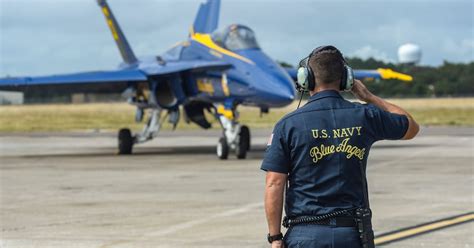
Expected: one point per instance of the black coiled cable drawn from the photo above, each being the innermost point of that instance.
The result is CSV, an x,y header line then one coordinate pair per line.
x,y
287,222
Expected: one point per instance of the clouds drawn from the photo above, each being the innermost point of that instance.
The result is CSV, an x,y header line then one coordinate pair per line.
x,y
463,49
58,36
366,52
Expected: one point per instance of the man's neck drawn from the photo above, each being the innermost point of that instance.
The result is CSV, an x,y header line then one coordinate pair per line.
x,y
323,88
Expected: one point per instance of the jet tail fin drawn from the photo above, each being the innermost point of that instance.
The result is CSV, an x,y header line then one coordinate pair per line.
x,y
207,17
122,43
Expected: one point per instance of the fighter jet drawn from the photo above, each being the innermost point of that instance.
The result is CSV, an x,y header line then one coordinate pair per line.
x,y
211,71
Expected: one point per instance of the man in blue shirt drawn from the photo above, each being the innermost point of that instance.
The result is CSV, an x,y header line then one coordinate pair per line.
x,y
319,152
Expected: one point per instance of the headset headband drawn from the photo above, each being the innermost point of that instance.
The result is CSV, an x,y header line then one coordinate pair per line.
x,y
305,61
306,78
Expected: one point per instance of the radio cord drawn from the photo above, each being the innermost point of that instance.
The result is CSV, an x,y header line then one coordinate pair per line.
x,y
301,98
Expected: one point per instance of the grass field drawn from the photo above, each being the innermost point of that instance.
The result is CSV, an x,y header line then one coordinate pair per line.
x,y
112,116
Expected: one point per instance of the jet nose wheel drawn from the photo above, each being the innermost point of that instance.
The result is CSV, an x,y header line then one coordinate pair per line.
x,y
245,136
125,141
222,149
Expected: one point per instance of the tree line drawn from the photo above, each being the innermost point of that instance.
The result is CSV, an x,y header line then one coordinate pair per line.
x,y
446,80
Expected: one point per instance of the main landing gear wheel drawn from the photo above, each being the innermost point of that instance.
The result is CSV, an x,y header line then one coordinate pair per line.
x,y
125,141
244,143
222,148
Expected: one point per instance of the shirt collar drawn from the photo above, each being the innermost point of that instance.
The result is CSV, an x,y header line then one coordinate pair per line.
x,y
324,94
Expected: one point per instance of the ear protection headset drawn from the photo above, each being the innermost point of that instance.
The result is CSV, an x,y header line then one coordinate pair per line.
x,y
305,77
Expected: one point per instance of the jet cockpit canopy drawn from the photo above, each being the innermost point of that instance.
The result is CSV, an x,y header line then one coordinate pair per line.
x,y
235,37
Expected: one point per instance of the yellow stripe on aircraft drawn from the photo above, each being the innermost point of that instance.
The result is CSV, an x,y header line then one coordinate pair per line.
x,y
225,86
205,85
106,11
406,233
110,23
206,40
112,28
390,74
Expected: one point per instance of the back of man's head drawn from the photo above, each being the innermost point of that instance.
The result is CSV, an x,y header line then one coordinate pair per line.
x,y
327,67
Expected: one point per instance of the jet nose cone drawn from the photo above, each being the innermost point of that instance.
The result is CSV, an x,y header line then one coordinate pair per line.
x,y
276,93
281,94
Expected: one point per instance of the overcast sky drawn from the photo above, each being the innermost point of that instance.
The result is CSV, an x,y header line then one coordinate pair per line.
x,y
40,37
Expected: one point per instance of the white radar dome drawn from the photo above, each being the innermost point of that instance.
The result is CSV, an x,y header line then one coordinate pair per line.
x,y
409,53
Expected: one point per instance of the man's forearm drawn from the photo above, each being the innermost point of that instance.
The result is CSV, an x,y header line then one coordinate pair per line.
x,y
273,209
389,107
274,202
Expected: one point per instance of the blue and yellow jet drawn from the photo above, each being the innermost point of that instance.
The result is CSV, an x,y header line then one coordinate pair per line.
x,y
213,71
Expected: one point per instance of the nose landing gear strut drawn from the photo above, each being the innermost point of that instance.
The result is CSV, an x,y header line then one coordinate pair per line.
x,y
235,136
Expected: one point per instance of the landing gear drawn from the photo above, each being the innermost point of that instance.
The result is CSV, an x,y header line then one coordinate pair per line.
x,y
235,136
222,149
125,141
152,127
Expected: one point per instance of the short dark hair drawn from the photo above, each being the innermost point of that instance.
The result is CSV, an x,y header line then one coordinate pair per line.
x,y
327,66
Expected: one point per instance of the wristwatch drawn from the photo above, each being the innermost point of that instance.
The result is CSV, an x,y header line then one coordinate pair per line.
x,y
274,237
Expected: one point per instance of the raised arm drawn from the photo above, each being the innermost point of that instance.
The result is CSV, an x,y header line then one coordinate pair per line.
x,y
362,93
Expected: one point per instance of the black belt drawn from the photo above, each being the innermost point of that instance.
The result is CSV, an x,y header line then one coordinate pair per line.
x,y
341,221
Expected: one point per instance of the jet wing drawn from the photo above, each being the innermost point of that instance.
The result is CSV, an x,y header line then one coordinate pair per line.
x,y
76,78
86,82
106,81
380,73
169,67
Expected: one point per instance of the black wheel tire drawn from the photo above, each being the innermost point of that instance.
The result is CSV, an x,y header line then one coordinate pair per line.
x,y
241,151
125,141
244,143
222,149
245,136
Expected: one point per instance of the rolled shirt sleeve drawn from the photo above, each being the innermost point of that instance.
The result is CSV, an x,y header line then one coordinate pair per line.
x,y
387,125
277,153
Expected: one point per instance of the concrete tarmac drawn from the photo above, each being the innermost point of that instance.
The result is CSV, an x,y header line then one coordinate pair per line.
x,y
71,190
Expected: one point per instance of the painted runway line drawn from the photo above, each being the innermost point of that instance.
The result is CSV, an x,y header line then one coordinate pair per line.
x,y
424,228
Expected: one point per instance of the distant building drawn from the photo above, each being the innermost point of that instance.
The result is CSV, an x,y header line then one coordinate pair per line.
x,y
11,98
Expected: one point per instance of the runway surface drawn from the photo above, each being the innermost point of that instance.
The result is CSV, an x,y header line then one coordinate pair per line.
x,y
71,190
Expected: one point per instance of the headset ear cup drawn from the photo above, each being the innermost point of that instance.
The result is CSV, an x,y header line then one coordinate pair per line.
x,y
311,80
344,78
302,79
349,78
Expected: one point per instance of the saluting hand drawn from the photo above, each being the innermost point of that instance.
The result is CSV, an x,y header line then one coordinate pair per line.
x,y
278,244
360,91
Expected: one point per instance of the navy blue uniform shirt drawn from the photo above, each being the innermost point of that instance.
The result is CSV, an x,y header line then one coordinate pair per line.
x,y
321,147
